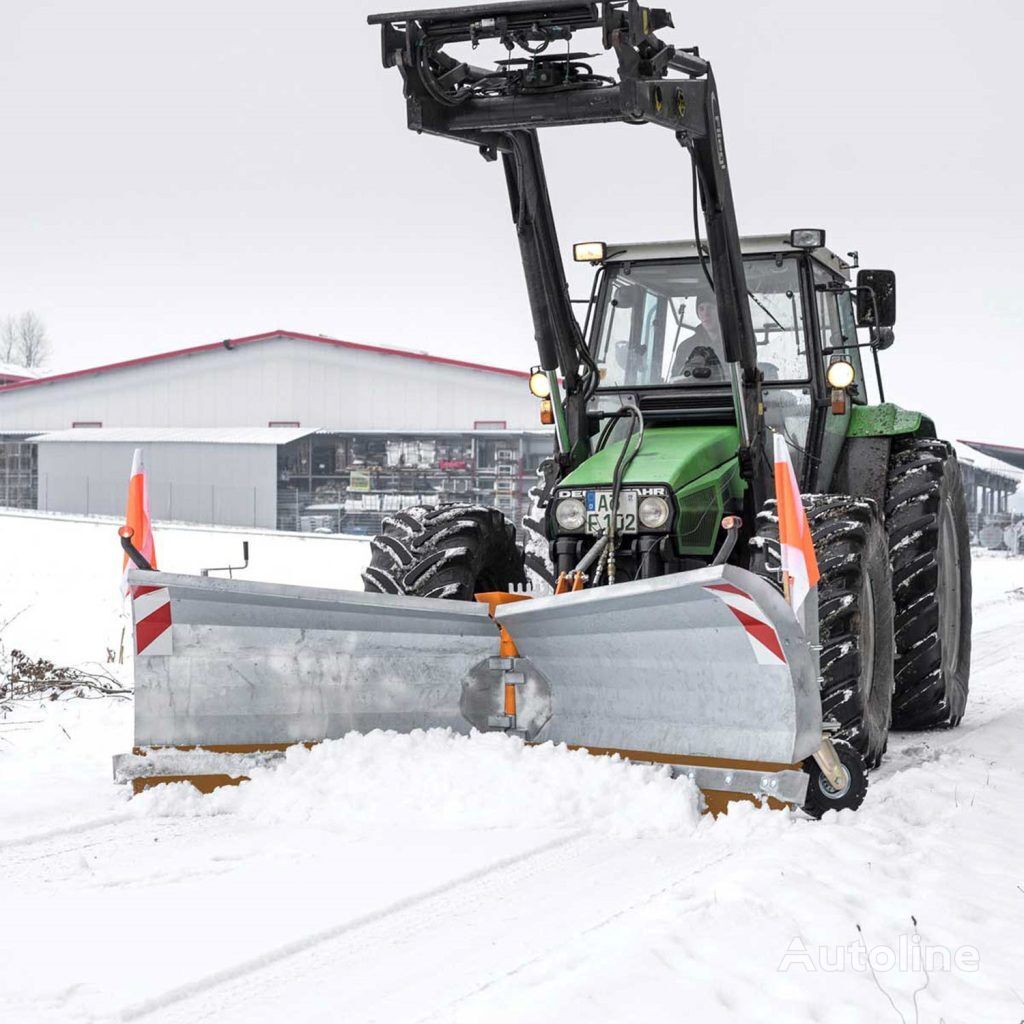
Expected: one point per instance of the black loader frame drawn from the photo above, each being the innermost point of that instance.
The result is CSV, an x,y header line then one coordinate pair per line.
x,y
499,112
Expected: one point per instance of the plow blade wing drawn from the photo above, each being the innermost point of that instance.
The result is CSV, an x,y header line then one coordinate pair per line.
x,y
229,663
709,663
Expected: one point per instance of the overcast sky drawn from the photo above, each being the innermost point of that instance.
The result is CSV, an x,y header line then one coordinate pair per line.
x,y
179,173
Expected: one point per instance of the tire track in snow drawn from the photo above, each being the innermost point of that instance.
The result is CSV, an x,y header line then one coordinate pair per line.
x,y
993,646
64,830
57,855
235,985
429,953
536,956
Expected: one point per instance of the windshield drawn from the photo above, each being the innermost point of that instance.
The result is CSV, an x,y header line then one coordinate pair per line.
x,y
659,324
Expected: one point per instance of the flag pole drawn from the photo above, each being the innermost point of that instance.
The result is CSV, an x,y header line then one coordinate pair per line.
x,y
784,576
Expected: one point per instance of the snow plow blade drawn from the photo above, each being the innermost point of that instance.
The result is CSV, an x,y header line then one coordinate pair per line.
x,y
710,662
707,671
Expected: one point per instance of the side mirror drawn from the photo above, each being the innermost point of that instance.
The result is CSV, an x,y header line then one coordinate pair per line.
x,y
630,296
876,292
882,337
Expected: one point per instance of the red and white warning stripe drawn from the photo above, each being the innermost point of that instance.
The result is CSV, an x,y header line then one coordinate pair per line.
x,y
764,641
151,610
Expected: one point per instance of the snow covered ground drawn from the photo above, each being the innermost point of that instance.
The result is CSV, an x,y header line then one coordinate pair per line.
x,y
438,878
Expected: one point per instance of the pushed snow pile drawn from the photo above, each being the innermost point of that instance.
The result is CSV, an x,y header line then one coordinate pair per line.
x,y
438,780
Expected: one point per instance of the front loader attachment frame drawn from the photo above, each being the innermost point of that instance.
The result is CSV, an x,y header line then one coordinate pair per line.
x,y
500,109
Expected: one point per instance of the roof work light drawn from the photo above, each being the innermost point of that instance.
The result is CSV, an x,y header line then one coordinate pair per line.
x,y
807,238
589,252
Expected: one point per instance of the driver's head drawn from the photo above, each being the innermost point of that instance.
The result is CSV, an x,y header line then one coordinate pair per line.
x,y
707,309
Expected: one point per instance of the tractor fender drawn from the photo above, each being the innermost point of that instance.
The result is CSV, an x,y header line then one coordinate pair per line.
x,y
863,467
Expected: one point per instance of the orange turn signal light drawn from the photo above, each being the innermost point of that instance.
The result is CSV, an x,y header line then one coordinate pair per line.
x,y
547,414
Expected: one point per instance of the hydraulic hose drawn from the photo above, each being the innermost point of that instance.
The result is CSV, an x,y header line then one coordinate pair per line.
x,y
622,464
593,554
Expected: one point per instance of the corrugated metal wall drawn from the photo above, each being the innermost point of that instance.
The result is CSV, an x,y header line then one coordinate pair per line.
x,y
279,380
225,484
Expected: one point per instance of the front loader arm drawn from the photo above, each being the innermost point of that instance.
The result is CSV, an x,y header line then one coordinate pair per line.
x,y
499,110
560,342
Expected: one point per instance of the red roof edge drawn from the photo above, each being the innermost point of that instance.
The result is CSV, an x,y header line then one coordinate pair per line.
x,y
230,343
990,444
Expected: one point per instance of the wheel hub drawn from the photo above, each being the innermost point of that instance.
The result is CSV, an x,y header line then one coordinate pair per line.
x,y
829,790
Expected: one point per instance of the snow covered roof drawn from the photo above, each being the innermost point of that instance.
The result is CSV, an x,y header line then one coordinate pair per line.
x,y
279,335
178,435
11,372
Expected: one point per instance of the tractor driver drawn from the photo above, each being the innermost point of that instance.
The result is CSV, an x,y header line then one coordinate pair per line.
x,y
700,357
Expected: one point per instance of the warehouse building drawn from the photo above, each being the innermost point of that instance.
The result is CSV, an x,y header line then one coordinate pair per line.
x,y
17,458
282,430
990,488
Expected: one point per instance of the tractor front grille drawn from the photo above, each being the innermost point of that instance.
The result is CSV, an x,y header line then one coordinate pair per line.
x,y
699,515
713,408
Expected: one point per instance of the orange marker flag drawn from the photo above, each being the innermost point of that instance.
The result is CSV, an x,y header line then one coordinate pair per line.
x,y
799,563
137,517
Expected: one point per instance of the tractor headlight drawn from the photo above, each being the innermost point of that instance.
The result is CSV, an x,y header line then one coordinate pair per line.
x,y
540,386
654,512
570,514
840,374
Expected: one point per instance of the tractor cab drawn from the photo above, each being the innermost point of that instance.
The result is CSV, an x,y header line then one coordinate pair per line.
x,y
654,333
658,346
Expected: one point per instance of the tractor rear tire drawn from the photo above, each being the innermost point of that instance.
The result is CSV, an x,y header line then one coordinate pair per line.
x,y
929,546
855,615
451,552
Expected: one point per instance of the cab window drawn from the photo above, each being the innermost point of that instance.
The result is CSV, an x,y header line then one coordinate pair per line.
x,y
839,328
658,324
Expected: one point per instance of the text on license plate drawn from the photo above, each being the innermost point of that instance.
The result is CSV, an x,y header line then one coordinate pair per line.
x,y
599,505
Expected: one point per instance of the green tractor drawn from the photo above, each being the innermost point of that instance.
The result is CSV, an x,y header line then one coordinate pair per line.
x,y
691,358
669,636
883,495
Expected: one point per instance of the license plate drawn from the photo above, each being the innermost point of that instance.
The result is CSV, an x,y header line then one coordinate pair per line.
x,y
599,507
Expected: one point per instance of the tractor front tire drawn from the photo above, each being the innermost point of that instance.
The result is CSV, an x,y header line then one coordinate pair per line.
x,y
929,546
855,615
451,552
